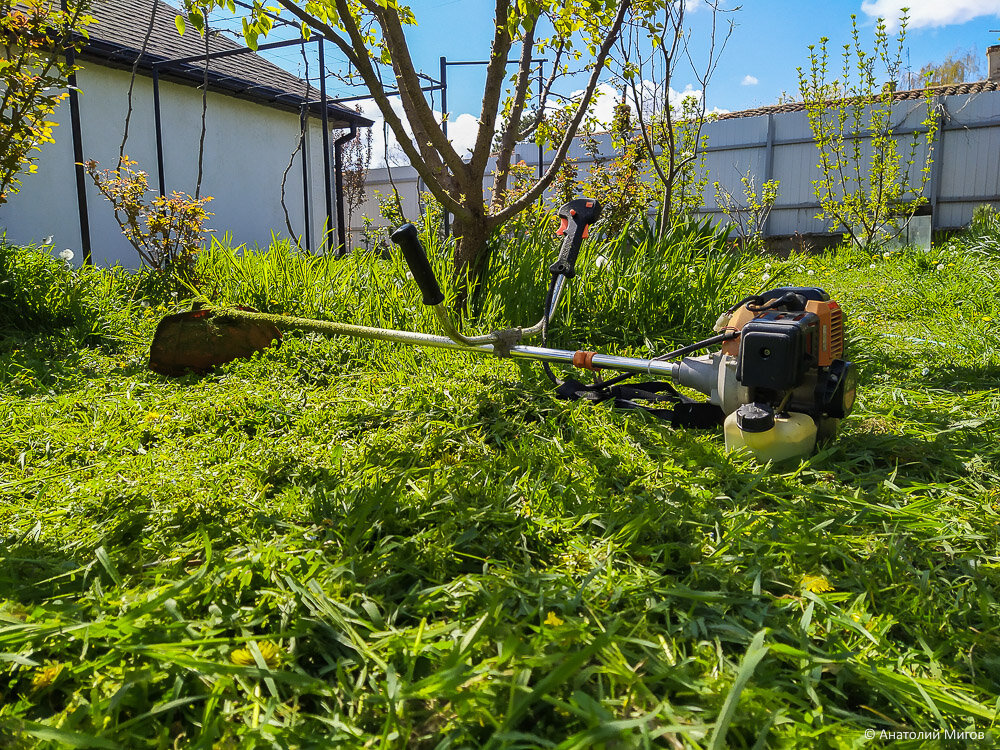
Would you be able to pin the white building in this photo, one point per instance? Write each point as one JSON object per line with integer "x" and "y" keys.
{"x": 253, "y": 124}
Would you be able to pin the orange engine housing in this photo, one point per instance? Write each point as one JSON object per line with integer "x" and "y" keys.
{"x": 831, "y": 330}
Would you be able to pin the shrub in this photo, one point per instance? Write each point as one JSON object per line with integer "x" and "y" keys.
{"x": 166, "y": 232}
{"x": 871, "y": 182}
{"x": 34, "y": 40}
{"x": 40, "y": 293}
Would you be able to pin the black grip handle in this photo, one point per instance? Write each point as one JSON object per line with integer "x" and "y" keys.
{"x": 409, "y": 242}
{"x": 576, "y": 216}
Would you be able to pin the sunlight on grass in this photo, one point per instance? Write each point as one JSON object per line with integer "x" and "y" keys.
{"x": 345, "y": 542}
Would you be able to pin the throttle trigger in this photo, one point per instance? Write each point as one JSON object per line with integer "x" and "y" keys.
{"x": 563, "y": 226}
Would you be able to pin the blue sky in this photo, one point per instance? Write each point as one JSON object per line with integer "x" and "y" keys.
{"x": 769, "y": 42}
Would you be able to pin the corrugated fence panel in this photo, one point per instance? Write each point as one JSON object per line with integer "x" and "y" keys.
{"x": 966, "y": 172}
{"x": 790, "y": 126}
{"x": 736, "y": 132}
{"x": 969, "y": 162}
{"x": 967, "y": 169}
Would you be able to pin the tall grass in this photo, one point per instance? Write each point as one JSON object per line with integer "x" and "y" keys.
{"x": 41, "y": 293}
{"x": 631, "y": 290}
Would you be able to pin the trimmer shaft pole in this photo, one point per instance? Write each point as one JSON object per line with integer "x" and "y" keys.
{"x": 588, "y": 360}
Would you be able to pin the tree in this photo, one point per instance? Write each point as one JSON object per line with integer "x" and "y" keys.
{"x": 866, "y": 186}
{"x": 357, "y": 156}
{"x": 748, "y": 214}
{"x": 957, "y": 67}
{"x": 371, "y": 36}
{"x": 652, "y": 50}
{"x": 35, "y": 38}
{"x": 618, "y": 182}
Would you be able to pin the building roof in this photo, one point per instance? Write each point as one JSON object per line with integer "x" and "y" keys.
{"x": 117, "y": 38}
{"x": 974, "y": 87}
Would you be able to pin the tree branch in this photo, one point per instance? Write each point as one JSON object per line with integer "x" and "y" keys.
{"x": 508, "y": 140}
{"x": 496, "y": 71}
{"x": 539, "y": 187}
{"x": 362, "y": 62}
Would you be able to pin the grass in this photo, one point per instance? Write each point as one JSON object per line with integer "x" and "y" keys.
{"x": 344, "y": 543}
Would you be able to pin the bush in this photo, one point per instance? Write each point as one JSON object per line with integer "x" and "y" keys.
{"x": 983, "y": 234}
{"x": 40, "y": 293}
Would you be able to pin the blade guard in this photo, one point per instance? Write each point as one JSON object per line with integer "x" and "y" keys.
{"x": 198, "y": 340}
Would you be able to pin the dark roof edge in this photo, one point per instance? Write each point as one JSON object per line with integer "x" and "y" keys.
{"x": 118, "y": 56}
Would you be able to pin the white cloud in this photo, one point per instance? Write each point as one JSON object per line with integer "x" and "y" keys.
{"x": 603, "y": 104}
{"x": 676, "y": 98}
{"x": 930, "y": 13}
{"x": 749, "y": 80}
{"x": 462, "y": 130}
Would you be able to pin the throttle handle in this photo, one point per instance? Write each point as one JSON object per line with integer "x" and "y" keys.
{"x": 574, "y": 226}
{"x": 413, "y": 252}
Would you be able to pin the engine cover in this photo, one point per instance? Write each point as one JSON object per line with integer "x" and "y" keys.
{"x": 776, "y": 350}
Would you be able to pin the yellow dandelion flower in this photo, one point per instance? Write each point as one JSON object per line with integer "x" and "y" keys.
{"x": 815, "y": 584}
{"x": 151, "y": 416}
{"x": 553, "y": 619}
{"x": 988, "y": 319}
{"x": 45, "y": 677}
{"x": 270, "y": 652}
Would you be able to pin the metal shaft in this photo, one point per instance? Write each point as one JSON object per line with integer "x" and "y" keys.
{"x": 536, "y": 353}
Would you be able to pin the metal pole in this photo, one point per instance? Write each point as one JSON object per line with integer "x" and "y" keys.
{"x": 81, "y": 182}
{"x": 389, "y": 92}
{"x": 444, "y": 125}
{"x": 159, "y": 131}
{"x": 538, "y": 353}
{"x": 338, "y": 161}
{"x": 444, "y": 95}
{"x": 540, "y": 148}
{"x": 304, "y": 125}
{"x": 935, "y": 181}
{"x": 231, "y": 52}
{"x": 326, "y": 150}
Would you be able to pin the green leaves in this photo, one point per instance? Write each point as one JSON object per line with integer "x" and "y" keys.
{"x": 755, "y": 653}
{"x": 868, "y": 193}
{"x": 35, "y": 73}
{"x": 197, "y": 19}
{"x": 250, "y": 34}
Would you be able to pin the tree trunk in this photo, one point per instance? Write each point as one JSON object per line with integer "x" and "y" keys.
{"x": 472, "y": 258}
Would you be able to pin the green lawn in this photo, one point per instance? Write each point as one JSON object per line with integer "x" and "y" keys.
{"x": 343, "y": 543}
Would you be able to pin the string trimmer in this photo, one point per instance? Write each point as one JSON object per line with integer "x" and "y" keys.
{"x": 776, "y": 383}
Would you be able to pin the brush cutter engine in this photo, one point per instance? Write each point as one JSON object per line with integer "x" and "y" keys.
{"x": 779, "y": 376}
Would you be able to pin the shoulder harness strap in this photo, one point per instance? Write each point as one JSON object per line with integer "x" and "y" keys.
{"x": 672, "y": 405}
